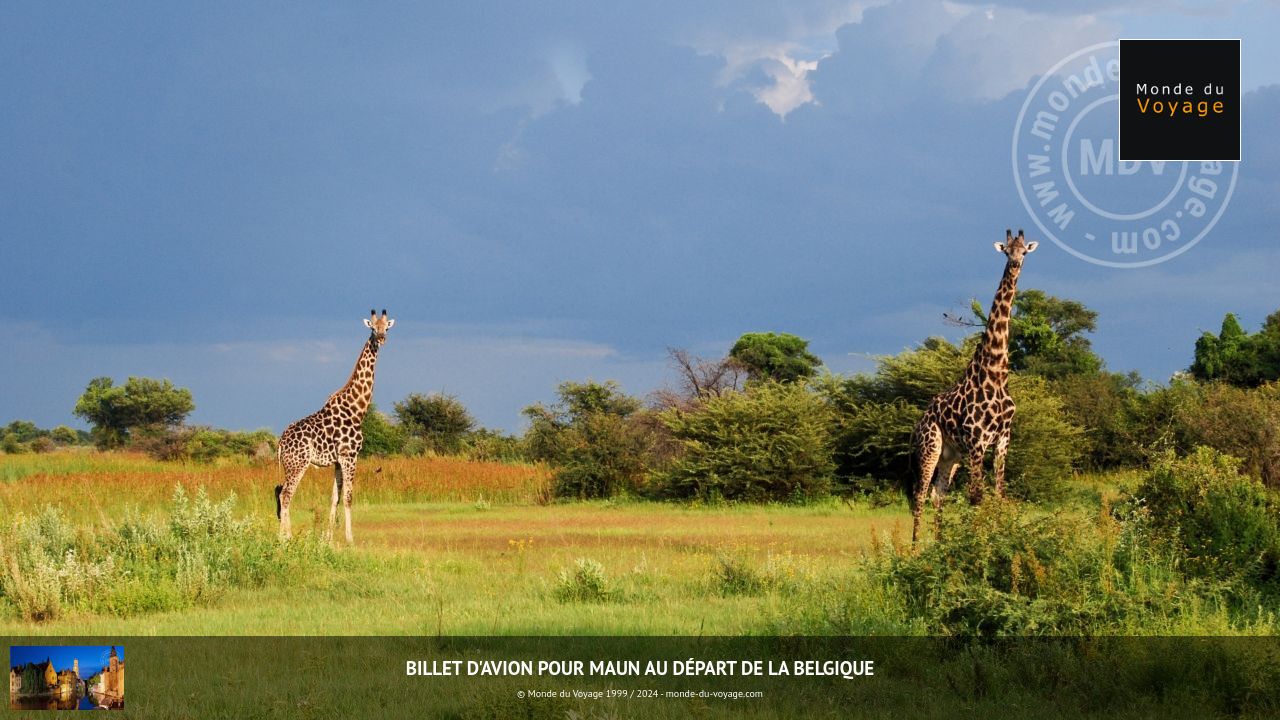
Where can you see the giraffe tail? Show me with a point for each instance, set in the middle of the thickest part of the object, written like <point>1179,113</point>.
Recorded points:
<point>279,489</point>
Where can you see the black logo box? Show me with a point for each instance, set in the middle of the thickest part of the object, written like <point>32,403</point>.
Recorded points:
<point>1187,68</point>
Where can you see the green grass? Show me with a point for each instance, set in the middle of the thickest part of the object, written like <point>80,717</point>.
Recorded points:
<point>431,558</point>
<point>449,568</point>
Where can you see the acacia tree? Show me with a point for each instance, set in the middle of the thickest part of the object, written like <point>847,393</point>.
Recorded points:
<point>441,420</point>
<point>115,412</point>
<point>775,356</point>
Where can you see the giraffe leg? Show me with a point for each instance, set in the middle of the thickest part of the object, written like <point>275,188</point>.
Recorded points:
<point>928,452</point>
<point>284,496</point>
<point>348,490</point>
<point>977,481</point>
<point>333,504</point>
<point>1002,449</point>
<point>945,476</point>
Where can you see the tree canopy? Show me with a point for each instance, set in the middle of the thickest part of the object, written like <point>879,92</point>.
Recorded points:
<point>775,356</point>
<point>1238,357</point>
<point>116,411</point>
<point>441,420</point>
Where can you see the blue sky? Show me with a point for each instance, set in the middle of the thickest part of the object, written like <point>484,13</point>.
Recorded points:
<point>549,191</point>
<point>92,657</point>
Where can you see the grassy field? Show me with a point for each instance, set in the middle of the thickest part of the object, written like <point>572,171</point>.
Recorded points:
<point>445,546</point>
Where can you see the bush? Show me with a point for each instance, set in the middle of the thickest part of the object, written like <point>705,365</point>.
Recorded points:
<point>596,438</point>
<point>1241,422</point>
<point>584,582</point>
<point>492,446</point>
<point>440,420</point>
<point>1002,570</point>
<point>1221,524</point>
<point>602,455</point>
<point>1115,416</point>
<point>205,444</point>
<point>11,445</point>
<point>64,435</point>
<point>772,442</point>
<point>381,436</point>
<point>1044,445</point>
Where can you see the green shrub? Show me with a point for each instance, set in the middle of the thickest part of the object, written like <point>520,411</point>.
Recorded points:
<point>1222,524</point>
<point>1114,415</point>
<point>64,435</point>
<point>603,455</point>
<point>772,442</point>
<point>11,445</point>
<point>1241,422</point>
<point>381,436</point>
<point>1044,446</point>
<point>734,575</point>
<point>492,446</point>
<point>584,582</point>
<point>1002,569</point>
<point>204,444</point>
<point>596,438</point>
<point>441,421</point>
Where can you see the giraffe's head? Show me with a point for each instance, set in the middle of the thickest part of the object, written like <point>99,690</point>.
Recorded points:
<point>1016,248</point>
<point>379,326</point>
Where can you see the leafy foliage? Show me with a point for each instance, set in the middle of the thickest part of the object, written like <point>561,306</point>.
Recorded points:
<point>1222,524</point>
<point>586,581</point>
<point>780,357</point>
<point>1118,419</point>
<point>1005,570</point>
<point>596,438</point>
<point>772,442</point>
<point>22,436</point>
<point>206,444</point>
<point>1244,423</point>
<point>440,420</point>
<point>116,411</point>
<point>381,436</point>
<point>1237,357</point>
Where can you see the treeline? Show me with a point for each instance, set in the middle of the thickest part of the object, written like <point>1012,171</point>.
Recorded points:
<point>766,423</point>
<point>23,436</point>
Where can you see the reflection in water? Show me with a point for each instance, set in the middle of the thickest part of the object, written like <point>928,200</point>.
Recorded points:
<point>69,701</point>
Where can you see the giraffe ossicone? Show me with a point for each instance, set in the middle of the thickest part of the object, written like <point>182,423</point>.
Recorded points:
<point>976,415</point>
<point>332,435</point>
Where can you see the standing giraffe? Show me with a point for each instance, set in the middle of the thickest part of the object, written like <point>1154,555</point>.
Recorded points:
<point>975,415</point>
<point>332,435</point>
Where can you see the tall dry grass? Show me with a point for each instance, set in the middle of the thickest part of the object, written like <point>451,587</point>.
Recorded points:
<point>93,482</point>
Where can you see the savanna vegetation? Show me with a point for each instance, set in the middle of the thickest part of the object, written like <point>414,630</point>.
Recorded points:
<point>755,494</point>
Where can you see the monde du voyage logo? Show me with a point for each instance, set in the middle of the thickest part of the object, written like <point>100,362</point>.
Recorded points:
<point>1124,152</point>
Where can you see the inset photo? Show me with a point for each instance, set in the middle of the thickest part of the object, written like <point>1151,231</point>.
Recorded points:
<point>66,677</point>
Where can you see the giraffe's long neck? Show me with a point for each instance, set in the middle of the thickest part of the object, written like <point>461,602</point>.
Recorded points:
<point>992,356</point>
<point>358,392</point>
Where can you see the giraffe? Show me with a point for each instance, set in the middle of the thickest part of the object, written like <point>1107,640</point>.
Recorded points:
<point>332,435</point>
<point>961,424</point>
